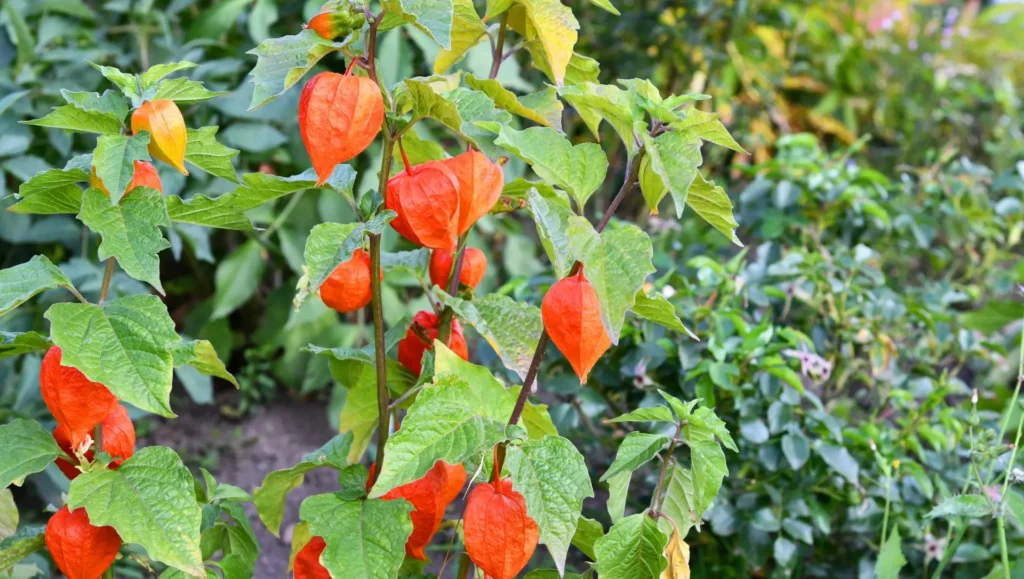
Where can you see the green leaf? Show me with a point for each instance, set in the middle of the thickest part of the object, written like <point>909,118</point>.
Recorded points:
<point>20,283</point>
<point>633,549</point>
<point>414,262</point>
<point>994,316</point>
<point>660,311</point>
<point>618,489</point>
<point>114,161</point>
<point>150,500</point>
<point>184,91</point>
<point>332,244</point>
<point>679,503</point>
<point>674,157</point>
<point>707,462</point>
<point>205,152</point>
<point>26,541</point>
<point>971,506</point>
<point>27,449</point>
<point>796,450</point>
<point>711,203</point>
<point>130,231</point>
<point>201,355</point>
<point>588,531</point>
<point>128,83</point>
<point>51,192</point>
<point>359,415</point>
<point>505,99</point>
<point>709,128</point>
<point>110,103</point>
<point>75,119</point>
<point>21,35</point>
<point>606,5</point>
<point>419,97</point>
<point>552,476</point>
<point>476,107</point>
<point>579,169</point>
<point>270,497</point>
<point>201,210</point>
<point>636,450</point>
<point>450,421</point>
<point>891,559</point>
<point>603,102</point>
<point>365,538</point>
<point>467,31</point>
<point>616,262</point>
<point>281,62</point>
<point>554,27</point>
<point>19,343</point>
<point>435,17</point>
<point>237,278</point>
<point>840,460</point>
<point>651,414</point>
<point>159,71</point>
<point>552,218</point>
<point>124,345</point>
<point>512,328</point>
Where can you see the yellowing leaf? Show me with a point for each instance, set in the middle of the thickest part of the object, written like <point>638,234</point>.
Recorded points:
<point>555,26</point>
<point>467,30</point>
<point>678,554</point>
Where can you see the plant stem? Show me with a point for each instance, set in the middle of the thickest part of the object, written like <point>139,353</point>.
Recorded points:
<point>630,182</point>
<point>950,549</point>
<point>383,396</point>
<point>75,293</point>
<point>1013,404</point>
<point>107,275</point>
<point>656,500</point>
<point>888,500</point>
<point>1001,525</point>
<point>283,216</point>
<point>497,59</point>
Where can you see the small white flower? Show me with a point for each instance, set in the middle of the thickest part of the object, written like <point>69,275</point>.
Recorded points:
<point>668,291</point>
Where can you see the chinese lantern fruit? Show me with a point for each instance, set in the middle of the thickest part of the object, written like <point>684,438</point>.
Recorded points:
<point>336,18</point>
<point>118,434</point>
<point>145,176</point>
<point>500,536</point>
<point>426,199</point>
<point>166,128</point>
<point>429,498</point>
<point>80,550</point>
<point>411,348</point>
<point>456,480</point>
<point>307,560</point>
<point>474,265</point>
<point>480,183</point>
<point>77,403</point>
<point>347,289</point>
<point>572,317</point>
<point>339,116</point>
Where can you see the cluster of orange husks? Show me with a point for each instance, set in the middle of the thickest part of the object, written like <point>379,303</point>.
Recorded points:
<point>81,550</point>
<point>436,202</point>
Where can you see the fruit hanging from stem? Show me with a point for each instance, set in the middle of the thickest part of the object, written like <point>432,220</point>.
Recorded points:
<point>337,18</point>
<point>339,116</point>
<point>572,317</point>
<point>412,346</point>
<point>347,289</point>
<point>168,136</point>
<point>118,441</point>
<point>80,550</point>
<point>500,535</point>
<point>78,404</point>
<point>474,266</point>
<point>426,199</point>
<point>145,176</point>
<point>480,183</point>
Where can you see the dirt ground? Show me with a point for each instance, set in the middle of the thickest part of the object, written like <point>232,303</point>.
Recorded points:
<point>242,452</point>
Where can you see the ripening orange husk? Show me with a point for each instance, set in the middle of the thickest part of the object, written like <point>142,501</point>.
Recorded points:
<point>145,176</point>
<point>572,317</point>
<point>480,183</point>
<point>500,535</point>
<point>118,434</point>
<point>307,560</point>
<point>78,404</point>
<point>411,347</point>
<point>474,266</point>
<point>167,134</point>
<point>80,550</point>
<point>426,199</point>
<point>347,289</point>
<point>339,116</point>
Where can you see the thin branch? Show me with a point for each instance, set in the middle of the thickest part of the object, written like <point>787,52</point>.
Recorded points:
<point>108,274</point>
<point>497,56</point>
